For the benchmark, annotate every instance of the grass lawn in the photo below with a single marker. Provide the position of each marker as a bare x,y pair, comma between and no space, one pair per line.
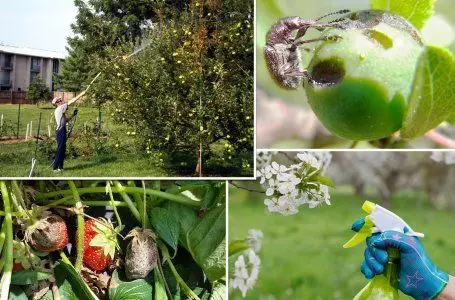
122,160
302,255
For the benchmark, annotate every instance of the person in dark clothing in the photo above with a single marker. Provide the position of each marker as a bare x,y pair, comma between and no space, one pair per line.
61,120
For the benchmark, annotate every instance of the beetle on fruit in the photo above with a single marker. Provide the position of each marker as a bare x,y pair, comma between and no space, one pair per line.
360,76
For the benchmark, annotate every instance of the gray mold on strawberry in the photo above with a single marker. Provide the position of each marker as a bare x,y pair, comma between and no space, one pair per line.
141,253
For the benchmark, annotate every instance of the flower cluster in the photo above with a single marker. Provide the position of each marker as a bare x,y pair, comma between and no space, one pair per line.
445,157
288,187
254,239
246,270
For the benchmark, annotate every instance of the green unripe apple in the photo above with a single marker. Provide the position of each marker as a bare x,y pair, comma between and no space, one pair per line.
363,79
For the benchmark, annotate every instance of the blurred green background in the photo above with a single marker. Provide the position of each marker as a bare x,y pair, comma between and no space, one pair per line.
438,30
302,255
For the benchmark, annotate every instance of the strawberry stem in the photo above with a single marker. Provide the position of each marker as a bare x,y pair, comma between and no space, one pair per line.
80,226
125,189
128,201
2,236
109,190
5,281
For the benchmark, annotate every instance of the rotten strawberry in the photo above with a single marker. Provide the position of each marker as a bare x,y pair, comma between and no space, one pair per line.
141,253
45,231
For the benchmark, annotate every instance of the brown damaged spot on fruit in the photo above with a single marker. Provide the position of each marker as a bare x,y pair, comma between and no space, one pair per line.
141,253
47,232
329,71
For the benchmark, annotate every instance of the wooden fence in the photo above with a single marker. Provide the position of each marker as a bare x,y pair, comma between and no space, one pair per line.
11,97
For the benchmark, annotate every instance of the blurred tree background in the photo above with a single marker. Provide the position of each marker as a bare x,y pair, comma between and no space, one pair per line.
285,119
302,255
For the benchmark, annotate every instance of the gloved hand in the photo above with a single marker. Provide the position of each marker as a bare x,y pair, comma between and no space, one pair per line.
418,277
75,112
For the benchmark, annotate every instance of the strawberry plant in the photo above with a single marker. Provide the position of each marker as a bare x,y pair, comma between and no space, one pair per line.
112,240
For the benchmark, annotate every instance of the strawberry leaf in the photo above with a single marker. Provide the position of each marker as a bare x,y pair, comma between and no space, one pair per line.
26,277
70,283
207,243
121,289
166,225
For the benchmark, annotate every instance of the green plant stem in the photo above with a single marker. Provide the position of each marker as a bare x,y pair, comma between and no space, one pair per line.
128,201
119,220
145,218
60,201
186,289
130,190
2,237
90,203
16,213
65,258
80,226
17,196
8,247
138,201
167,258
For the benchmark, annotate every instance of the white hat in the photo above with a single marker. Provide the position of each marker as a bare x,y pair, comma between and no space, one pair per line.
54,101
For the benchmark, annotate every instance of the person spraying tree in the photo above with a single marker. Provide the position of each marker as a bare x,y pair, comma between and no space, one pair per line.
61,120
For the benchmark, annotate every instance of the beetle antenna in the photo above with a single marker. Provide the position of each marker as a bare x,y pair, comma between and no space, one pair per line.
340,12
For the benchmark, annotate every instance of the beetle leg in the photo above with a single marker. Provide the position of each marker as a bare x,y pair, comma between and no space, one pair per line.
324,38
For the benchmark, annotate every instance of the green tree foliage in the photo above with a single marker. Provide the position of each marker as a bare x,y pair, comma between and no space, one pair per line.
192,83
38,90
102,23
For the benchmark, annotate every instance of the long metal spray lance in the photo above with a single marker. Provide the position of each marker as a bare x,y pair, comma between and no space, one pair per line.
36,147
125,57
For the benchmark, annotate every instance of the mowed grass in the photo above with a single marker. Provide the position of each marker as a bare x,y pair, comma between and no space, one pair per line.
15,158
302,255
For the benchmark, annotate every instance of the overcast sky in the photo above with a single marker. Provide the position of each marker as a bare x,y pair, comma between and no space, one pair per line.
42,24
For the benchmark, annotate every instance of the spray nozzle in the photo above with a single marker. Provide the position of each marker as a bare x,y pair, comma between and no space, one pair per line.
378,219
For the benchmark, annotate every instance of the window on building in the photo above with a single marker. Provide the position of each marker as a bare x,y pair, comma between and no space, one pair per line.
5,81
35,64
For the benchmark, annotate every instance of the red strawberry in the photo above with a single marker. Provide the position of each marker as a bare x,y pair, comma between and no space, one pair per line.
45,231
17,267
100,242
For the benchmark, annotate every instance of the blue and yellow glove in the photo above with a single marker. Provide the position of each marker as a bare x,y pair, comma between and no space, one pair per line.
418,276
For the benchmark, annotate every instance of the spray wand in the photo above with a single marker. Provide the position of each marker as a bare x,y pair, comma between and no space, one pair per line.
379,219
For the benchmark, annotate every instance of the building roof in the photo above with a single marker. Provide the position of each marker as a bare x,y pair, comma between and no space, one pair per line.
31,52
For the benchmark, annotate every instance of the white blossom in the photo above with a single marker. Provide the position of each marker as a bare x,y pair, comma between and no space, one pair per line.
288,187
246,272
254,239
264,158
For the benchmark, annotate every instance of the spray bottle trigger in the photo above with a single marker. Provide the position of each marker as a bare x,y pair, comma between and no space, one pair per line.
362,234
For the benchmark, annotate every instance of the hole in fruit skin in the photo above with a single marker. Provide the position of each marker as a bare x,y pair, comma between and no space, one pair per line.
381,38
329,71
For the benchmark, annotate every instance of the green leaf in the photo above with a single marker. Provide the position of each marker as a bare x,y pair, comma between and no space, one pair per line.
218,291
237,246
25,277
16,293
160,291
325,181
166,225
417,12
432,99
70,283
206,242
209,197
186,216
120,289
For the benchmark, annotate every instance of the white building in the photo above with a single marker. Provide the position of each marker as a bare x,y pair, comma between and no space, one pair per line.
19,66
